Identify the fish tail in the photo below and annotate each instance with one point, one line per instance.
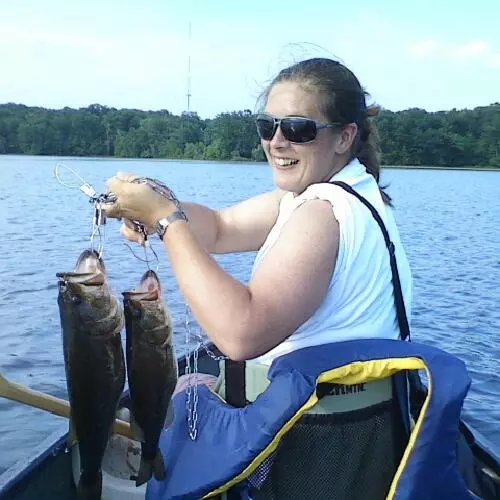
(90, 489)
(150, 467)
(159, 466)
(145, 472)
(137, 432)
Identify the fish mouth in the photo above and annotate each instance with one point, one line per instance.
(149, 288)
(89, 270)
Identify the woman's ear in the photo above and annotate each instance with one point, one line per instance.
(346, 138)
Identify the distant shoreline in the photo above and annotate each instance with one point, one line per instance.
(190, 160)
(467, 139)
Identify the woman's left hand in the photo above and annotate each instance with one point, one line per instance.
(136, 202)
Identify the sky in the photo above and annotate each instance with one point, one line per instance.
(435, 55)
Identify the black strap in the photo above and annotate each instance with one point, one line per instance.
(404, 329)
(234, 375)
(235, 370)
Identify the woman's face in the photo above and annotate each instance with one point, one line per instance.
(296, 166)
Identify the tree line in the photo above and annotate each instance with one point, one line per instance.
(455, 138)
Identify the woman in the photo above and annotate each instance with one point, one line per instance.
(322, 273)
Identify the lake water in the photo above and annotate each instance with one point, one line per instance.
(448, 222)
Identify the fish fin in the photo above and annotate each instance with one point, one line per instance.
(169, 418)
(90, 490)
(135, 428)
(148, 468)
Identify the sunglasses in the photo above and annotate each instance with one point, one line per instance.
(295, 129)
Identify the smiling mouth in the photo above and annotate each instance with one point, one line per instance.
(285, 162)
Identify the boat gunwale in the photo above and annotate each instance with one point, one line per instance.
(52, 445)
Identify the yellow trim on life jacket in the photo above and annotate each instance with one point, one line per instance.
(413, 435)
(353, 373)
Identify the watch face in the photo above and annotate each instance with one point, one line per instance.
(161, 227)
(162, 224)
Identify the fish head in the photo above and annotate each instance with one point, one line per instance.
(144, 307)
(84, 294)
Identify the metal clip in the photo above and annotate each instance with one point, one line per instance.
(98, 220)
(88, 190)
(99, 216)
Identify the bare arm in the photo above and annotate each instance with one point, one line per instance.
(240, 228)
(289, 285)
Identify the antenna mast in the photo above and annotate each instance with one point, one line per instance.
(189, 73)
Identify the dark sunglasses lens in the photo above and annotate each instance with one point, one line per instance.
(298, 129)
(265, 128)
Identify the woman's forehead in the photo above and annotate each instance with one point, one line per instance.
(293, 99)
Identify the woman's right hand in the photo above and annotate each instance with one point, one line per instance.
(136, 201)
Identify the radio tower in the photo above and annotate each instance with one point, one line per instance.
(189, 73)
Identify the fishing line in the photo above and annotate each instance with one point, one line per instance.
(141, 228)
(85, 187)
(98, 216)
(146, 260)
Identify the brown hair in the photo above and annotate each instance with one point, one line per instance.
(343, 100)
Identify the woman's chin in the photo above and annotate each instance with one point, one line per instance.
(286, 179)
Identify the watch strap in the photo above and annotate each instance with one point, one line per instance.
(162, 224)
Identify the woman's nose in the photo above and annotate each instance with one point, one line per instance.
(279, 140)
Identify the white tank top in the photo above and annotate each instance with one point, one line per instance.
(359, 303)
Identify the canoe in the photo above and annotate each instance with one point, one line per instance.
(48, 474)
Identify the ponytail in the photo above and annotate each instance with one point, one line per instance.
(367, 150)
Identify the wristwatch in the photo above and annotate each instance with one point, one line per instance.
(162, 225)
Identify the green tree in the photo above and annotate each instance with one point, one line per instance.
(409, 137)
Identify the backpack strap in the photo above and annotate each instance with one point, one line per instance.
(404, 329)
(234, 375)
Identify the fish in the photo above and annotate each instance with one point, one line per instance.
(91, 321)
(151, 370)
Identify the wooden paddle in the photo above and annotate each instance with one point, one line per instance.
(60, 407)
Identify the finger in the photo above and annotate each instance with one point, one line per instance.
(114, 183)
(117, 183)
(131, 225)
(126, 176)
(132, 235)
(111, 210)
(138, 227)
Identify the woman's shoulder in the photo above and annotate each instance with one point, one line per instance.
(341, 200)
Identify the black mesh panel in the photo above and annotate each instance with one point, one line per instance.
(352, 455)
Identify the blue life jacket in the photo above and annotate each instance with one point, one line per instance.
(233, 442)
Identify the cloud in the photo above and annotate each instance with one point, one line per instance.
(478, 51)
(470, 51)
(424, 49)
